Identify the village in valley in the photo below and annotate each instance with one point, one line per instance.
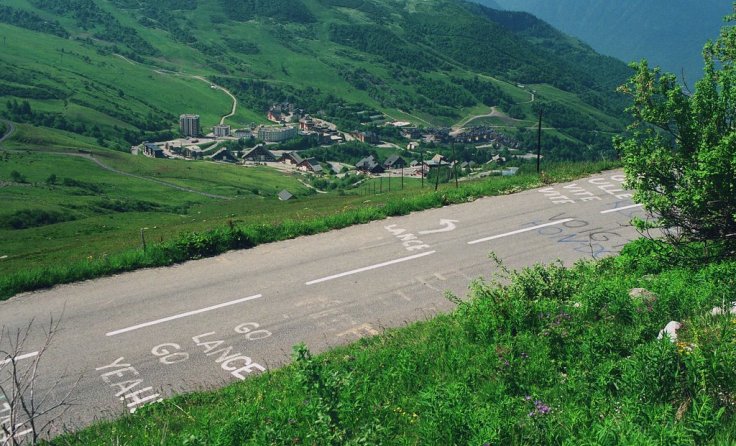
(409, 151)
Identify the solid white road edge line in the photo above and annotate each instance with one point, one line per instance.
(18, 358)
(621, 209)
(557, 222)
(368, 268)
(182, 315)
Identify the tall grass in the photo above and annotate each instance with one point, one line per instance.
(194, 245)
(556, 356)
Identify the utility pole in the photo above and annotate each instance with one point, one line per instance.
(454, 166)
(389, 181)
(539, 139)
(402, 177)
(421, 166)
(439, 169)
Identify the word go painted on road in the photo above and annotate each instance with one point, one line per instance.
(125, 380)
(591, 241)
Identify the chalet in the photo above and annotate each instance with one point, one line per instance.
(394, 162)
(258, 154)
(310, 165)
(413, 145)
(223, 155)
(436, 161)
(285, 195)
(411, 133)
(306, 124)
(153, 151)
(275, 116)
(369, 165)
(366, 137)
(292, 158)
(192, 152)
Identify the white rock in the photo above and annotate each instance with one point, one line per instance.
(717, 311)
(670, 330)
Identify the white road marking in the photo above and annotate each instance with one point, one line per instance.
(448, 225)
(182, 315)
(368, 268)
(519, 231)
(621, 209)
(18, 358)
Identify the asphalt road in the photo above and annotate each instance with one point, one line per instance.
(138, 337)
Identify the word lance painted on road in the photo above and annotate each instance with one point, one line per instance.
(447, 226)
(8, 431)
(238, 364)
(125, 380)
(170, 353)
(572, 193)
(410, 241)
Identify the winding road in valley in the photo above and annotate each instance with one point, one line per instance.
(135, 338)
(9, 130)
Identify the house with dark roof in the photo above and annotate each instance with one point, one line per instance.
(369, 165)
(223, 155)
(292, 158)
(394, 162)
(153, 151)
(366, 137)
(436, 161)
(258, 154)
(310, 165)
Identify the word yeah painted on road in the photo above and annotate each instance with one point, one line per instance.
(576, 192)
(125, 380)
(411, 241)
(10, 429)
(577, 233)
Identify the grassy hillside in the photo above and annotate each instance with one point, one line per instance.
(122, 70)
(556, 356)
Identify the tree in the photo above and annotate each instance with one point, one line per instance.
(680, 152)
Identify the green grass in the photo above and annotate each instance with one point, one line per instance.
(556, 356)
(106, 211)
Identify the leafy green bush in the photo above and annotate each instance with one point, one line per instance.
(680, 156)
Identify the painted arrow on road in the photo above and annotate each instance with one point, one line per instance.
(449, 225)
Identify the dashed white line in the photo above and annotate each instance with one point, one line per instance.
(368, 268)
(622, 208)
(519, 231)
(18, 358)
(182, 315)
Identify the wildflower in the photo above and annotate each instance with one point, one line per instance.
(524, 355)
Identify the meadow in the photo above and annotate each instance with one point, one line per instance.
(549, 355)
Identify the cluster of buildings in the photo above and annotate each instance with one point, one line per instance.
(474, 135)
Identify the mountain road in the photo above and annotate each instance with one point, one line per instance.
(138, 337)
